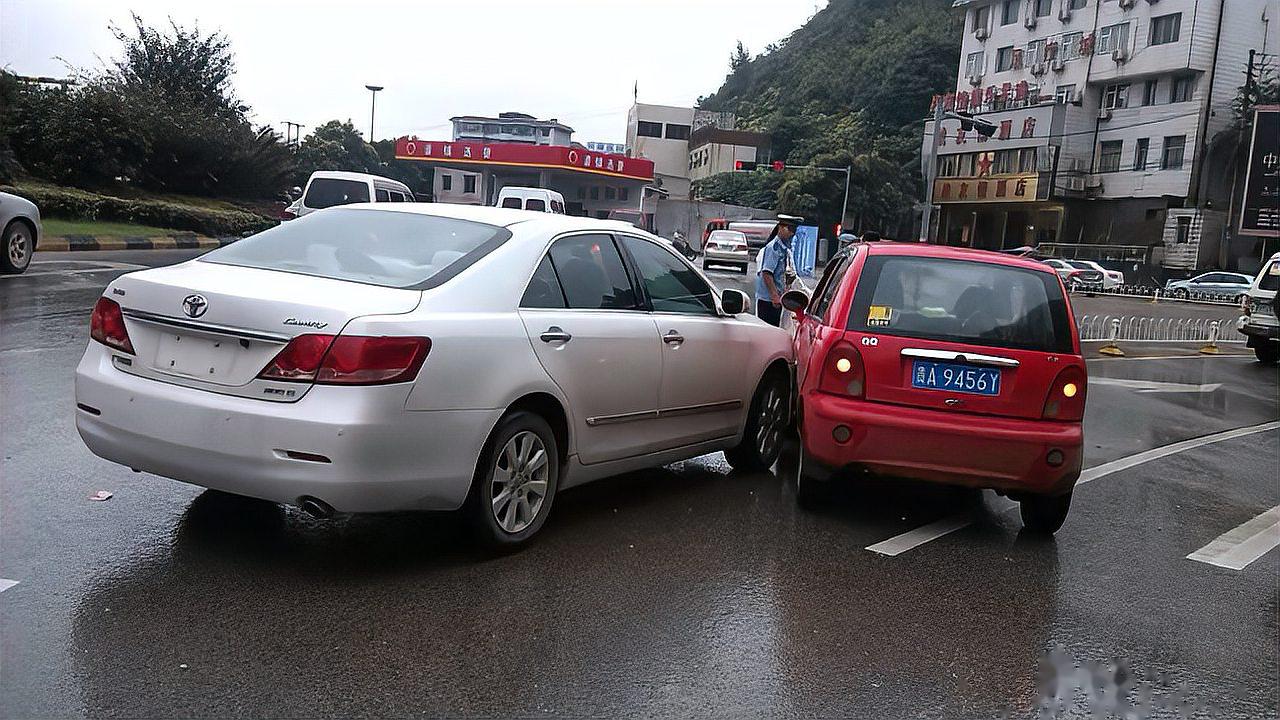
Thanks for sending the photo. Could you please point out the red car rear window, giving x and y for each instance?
(961, 301)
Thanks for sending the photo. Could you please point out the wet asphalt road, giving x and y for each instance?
(683, 591)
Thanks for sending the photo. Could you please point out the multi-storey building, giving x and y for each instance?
(511, 127)
(1105, 111)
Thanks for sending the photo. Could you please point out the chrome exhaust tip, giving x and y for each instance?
(315, 507)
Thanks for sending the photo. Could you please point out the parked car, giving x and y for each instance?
(944, 365)
(531, 198)
(20, 220)
(726, 247)
(429, 356)
(1211, 286)
(1261, 319)
(1073, 276)
(1111, 279)
(329, 188)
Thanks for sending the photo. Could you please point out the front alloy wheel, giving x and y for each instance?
(18, 246)
(767, 420)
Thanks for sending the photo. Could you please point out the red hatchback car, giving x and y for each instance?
(945, 365)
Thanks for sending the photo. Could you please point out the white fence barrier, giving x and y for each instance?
(1159, 294)
(1098, 328)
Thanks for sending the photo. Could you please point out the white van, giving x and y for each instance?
(327, 188)
(531, 198)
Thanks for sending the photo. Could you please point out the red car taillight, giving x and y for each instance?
(348, 359)
(843, 372)
(106, 325)
(1066, 396)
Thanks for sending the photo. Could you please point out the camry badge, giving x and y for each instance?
(194, 305)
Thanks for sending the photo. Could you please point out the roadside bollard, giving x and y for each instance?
(1111, 348)
(1156, 297)
(1211, 348)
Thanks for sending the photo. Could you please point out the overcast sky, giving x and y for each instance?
(575, 60)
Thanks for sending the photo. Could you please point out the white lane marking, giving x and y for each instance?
(1238, 547)
(6, 584)
(1152, 386)
(899, 544)
(34, 270)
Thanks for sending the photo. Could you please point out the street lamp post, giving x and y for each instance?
(373, 103)
(968, 122)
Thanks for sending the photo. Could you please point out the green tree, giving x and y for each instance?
(181, 66)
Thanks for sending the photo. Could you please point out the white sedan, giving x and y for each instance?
(373, 357)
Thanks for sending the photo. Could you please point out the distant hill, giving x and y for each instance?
(849, 87)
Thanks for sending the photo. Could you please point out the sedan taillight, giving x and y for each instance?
(106, 325)
(1066, 396)
(843, 372)
(348, 359)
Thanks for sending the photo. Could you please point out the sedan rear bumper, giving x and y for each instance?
(379, 456)
(727, 257)
(1007, 454)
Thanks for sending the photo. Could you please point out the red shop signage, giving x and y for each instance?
(520, 154)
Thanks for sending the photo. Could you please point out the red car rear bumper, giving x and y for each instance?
(1008, 454)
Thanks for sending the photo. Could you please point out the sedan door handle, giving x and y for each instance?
(672, 337)
(555, 334)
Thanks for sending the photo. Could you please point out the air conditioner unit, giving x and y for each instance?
(1038, 68)
(1076, 97)
(1075, 182)
(1105, 113)
(1120, 54)
(975, 80)
(1030, 22)
(1064, 13)
(1093, 184)
(1128, 4)
(981, 33)
(1058, 64)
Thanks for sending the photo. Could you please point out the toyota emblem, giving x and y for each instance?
(194, 305)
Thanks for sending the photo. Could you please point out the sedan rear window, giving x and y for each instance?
(328, 192)
(376, 247)
(1270, 277)
(961, 301)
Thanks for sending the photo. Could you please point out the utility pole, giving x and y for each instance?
(968, 122)
(373, 102)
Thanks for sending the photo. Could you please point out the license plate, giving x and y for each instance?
(195, 356)
(953, 377)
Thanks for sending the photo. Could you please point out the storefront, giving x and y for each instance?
(996, 211)
(593, 183)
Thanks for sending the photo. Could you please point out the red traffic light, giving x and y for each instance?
(779, 166)
(743, 165)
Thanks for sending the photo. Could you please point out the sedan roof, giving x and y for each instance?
(500, 217)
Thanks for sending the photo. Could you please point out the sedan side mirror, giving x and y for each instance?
(796, 301)
(733, 301)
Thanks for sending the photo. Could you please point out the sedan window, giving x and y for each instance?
(672, 285)
(592, 274)
(544, 289)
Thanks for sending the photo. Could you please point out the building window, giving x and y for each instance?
(1140, 154)
(1065, 94)
(1171, 156)
(446, 182)
(1035, 52)
(1181, 88)
(1113, 37)
(1044, 8)
(1071, 46)
(968, 165)
(947, 166)
(469, 184)
(1004, 162)
(1027, 160)
(623, 194)
(610, 193)
(677, 132)
(981, 17)
(1004, 59)
(1115, 96)
(1109, 160)
(1009, 12)
(582, 192)
(546, 132)
(1077, 4)
(1164, 29)
(595, 192)
(974, 64)
(1149, 92)
(644, 128)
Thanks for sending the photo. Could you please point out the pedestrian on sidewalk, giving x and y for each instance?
(771, 275)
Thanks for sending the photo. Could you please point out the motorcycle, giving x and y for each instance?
(682, 246)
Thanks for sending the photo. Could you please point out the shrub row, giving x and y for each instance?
(74, 204)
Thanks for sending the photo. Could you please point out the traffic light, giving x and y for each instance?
(969, 123)
(743, 165)
(779, 166)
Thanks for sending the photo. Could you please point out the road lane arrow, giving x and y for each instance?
(1152, 386)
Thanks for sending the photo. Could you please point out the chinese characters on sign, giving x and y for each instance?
(542, 156)
(1260, 215)
(1015, 188)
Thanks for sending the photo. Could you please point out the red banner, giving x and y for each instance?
(556, 157)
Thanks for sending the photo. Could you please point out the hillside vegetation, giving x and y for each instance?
(848, 88)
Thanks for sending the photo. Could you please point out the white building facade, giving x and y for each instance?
(1105, 110)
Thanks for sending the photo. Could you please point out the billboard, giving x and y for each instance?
(555, 157)
(1260, 215)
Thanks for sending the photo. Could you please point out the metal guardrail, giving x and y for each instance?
(1131, 328)
(1157, 294)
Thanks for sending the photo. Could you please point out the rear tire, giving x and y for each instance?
(744, 269)
(1268, 353)
(704, 265)
(812, 492)
(17, 245)
(1044, 514)
(767, 420)
(520, 466)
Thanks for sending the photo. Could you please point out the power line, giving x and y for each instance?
(1108, 128)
